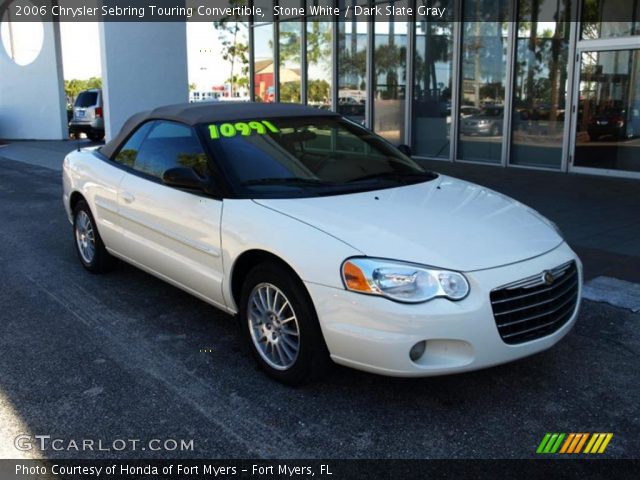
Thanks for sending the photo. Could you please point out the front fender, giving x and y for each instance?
(313, 254)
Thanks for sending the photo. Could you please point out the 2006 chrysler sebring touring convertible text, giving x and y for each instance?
(324, 239)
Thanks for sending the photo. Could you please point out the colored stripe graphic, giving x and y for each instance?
(581, 443)
(567, 443)
(550, 443)
(598, 442)
(554, 449)
(543, 443)
(605, 443)
(592, 440)
(573, 443)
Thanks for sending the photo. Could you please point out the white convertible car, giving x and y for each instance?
(325, 240)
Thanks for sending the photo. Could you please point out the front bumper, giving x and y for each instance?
(375, 334)
(77, 126)
(606, 130)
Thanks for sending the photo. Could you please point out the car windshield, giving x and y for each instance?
(307, 156)
(87, 99)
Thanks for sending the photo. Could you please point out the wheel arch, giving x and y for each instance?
(74, 198)
(249, 259)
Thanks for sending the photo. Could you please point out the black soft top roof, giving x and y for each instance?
(196, 113)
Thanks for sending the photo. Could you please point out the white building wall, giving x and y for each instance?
(144, 66)
(32, 100)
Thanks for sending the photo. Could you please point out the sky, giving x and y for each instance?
(81, 53)
(80, 50)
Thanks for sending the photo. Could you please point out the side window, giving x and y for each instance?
(129, 152)
(171, 145)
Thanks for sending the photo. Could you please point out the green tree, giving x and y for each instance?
(352, 66)
(290, 92)
(235, 48)
(319, 91)
(318, 41)
(290, 42)
(73, 87)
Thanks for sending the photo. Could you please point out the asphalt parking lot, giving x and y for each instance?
(126, 356)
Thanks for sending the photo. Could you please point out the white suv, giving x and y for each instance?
(88, 115)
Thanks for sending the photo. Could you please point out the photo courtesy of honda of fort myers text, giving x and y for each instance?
(319, 239)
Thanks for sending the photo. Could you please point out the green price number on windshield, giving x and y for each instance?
(228, 130)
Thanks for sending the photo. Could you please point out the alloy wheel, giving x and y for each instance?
(85, 237)
(273, 326)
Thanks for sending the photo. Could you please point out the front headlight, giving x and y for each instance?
(403, 282)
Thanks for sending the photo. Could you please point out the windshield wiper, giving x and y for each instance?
(398, 176)
(285, 181)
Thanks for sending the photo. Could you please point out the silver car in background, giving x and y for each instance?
(88, 115)
(487, 122)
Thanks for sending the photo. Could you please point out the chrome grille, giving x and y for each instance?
(536, 306)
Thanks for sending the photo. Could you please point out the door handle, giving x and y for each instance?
(127, 197)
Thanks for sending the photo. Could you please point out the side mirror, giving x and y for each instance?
(406, 149)
(183, 177)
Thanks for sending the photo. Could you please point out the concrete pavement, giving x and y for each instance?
(43, 153)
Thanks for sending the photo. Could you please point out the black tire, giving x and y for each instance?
(101, 261)
(95, 136)
(312, 360)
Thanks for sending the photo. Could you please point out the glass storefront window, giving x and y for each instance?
(266, 7)
(264, 87)
(352, 67)
(319, 63)
(540, 88)
(433, 65)
(290, 68)
(483, 77)
(608, 124)
(610, 18)
(390, 67)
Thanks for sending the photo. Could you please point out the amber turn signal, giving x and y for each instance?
(354, 278)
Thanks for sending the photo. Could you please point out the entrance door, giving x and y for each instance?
(606, 120)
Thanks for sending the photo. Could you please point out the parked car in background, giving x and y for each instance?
(88, 115)
(614, 122)
(352, 108)
(487, 122)
(467, 111)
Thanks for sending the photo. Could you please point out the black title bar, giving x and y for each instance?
(316, 469)
(298, 10)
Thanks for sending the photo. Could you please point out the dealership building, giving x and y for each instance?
(547, 84)
(538, 84)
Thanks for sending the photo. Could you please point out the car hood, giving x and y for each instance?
(446, 223)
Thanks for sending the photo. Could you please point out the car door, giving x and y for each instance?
(171, 232)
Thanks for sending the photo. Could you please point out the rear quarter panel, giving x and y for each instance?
(97, 180)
